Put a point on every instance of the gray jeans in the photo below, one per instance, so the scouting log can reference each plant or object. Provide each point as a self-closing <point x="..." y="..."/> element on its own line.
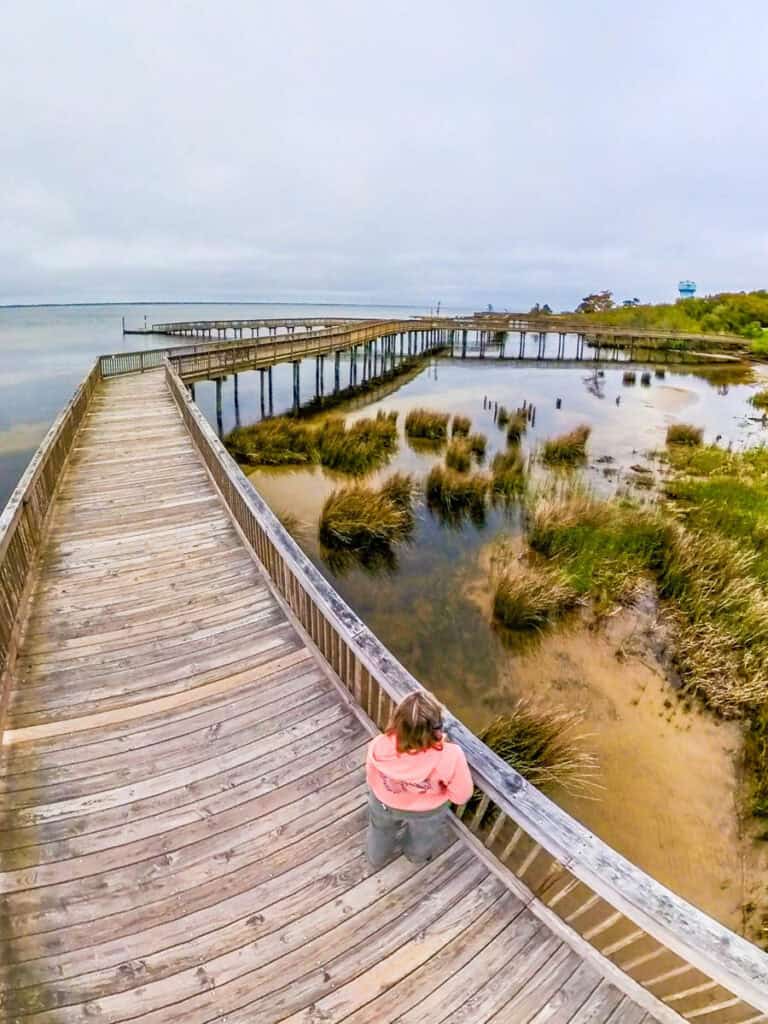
<point x="418" y="834"/>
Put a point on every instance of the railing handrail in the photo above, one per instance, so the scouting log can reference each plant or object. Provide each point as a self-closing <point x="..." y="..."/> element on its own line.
<point x="570" y="324"/>
<point x="260" y="321"/>
<point x="201" y="347"/>
<point x="681" y="927"/>
<point x="24" y="516"/>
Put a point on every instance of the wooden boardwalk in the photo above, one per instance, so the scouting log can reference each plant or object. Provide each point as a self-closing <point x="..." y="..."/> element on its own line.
<point x="183" y="793"/>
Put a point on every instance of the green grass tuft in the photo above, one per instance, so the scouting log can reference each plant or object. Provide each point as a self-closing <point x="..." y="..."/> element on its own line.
<point x="568" y="449"/>
<point x="760" y="399"/>
<point x="532" y="598"/>
<point x="458" y="456"/>
<point x="423" y="423"/>
<point x="684" y="433"/>
<point x="508" y="473"/>
<point x="516" y="427"/>
<point x="366" y="445"/>
<point x="502" y="416"/>
<point x="277" y="442"/>
<point x="454" y="496"/>
<point x="477" y="445"/>
<point x="358" y="517"/>
<point x="544" y="746"/>
<point x="461" y="425"/>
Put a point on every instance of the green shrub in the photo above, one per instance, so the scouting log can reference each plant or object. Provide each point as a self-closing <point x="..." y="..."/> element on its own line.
<point x="567" y="449"/>
<point x="423" y="423"/>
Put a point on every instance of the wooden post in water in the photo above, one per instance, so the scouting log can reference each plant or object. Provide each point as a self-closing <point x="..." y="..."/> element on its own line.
<point x="336" y="371"/>
<point x="296" y="385"/>
<point x="235" y="381"/>
<point x="269" y="381"/>
<point x="219" y="414"/>
<point x="262" y="371"/>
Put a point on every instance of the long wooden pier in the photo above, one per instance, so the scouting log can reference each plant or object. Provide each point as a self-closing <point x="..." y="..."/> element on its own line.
<point x="186" y="703"/>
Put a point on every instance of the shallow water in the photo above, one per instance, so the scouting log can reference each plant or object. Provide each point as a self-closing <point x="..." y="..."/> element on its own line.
<point x="671" y="776"/>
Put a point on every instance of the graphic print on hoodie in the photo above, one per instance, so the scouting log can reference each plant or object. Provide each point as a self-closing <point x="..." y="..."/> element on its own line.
<point x="420" y="781"/>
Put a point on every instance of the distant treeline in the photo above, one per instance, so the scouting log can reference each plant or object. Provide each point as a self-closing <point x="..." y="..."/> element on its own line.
<point x="742" y="313"/>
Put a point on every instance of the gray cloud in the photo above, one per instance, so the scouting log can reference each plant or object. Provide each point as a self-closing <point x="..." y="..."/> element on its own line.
<point x="338" y="150"/>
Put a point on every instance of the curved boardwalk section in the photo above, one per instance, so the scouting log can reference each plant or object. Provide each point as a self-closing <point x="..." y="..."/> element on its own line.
<point x="183" y="795"/>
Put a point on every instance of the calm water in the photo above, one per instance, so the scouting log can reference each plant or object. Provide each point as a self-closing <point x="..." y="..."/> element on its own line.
<point x="46" y="350"/>
<point x="423" y="607"/>
<point x="431" y="606"/>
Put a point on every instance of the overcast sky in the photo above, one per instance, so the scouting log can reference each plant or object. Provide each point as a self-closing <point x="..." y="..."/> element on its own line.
<point x="344" y="150"/>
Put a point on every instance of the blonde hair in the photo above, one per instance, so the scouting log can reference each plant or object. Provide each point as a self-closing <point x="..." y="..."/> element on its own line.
<point x="417" y="723"/>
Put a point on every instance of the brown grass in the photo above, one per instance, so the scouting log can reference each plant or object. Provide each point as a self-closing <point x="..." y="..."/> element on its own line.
<point x="545" y="746"/>
<point x="424" y="423"/>
<point x="684" y="433"/>
<point x="567" y="449"/>
<point x="531" y="598"/>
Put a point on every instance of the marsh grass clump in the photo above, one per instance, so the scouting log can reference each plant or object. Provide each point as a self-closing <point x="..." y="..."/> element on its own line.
<point x="358" y="449"/>
<point x="508" y="473"/>
<point x="502" y="416"/>
<point x="280" y="441"/>
<point x="722" y="610"/>
<point x="629" y="377"/>
<point x="461" y="426"/>
<point x="568" y="449"/>
<point x="516" y="427"/>
<point x="477" y="445"/>
<point x="545" y="746"/>
<point x="426" y="424"/>
<point x="760" y="399"/>
<point x="645" y="378"/>
<point x="684" y="433"/>
<point x="532" y="598"/>
<point x="458" y="456"/>
<point x="605" y="549"/>
<point x="455" y="495"/>
<point x="400" y="488"/>
<point x="359" y="518"/>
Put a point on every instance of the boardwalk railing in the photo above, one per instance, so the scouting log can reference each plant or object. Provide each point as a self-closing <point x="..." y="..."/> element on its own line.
<point x="698" y="968"/>
<point x="23" y="520"/>
<point x="237" y="352"/>
<point x="226" y="358"/>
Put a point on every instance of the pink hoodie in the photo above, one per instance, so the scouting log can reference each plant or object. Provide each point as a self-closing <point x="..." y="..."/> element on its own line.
<point x="420" y="781"/>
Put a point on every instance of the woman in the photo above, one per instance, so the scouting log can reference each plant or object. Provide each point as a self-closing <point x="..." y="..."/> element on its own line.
<point x="414" y="774"/>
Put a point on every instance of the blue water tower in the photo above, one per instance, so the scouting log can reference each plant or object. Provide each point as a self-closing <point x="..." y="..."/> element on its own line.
<point x="687" y="289"/>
